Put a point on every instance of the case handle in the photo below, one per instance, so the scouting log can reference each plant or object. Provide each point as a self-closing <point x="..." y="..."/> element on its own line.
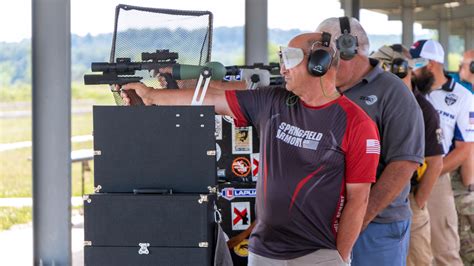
<point x="152" y="191"/>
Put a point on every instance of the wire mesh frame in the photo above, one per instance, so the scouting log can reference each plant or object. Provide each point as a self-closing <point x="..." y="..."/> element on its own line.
<point x="168" y="12"/>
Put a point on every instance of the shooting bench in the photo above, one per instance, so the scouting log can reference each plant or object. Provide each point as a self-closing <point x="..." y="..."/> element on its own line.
<point x="83" y="156"/>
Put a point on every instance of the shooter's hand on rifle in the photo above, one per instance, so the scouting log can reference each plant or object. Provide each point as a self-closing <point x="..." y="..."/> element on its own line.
<point x="130" y="91"/>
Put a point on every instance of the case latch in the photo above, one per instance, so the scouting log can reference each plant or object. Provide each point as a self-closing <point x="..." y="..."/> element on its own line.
<point x="143" y="248"/>
<point x="86" y="198"/>
<point x="97" y="189"/>
<point x="202" y="199"/>
<point x="212" y="190"/>
<point x="203" y="244"/>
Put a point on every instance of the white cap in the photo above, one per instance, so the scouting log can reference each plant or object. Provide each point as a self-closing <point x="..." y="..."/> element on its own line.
<point x="429" y="49"/>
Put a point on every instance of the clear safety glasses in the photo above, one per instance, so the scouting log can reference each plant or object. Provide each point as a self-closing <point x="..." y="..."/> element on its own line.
<point x="290" y="56"/>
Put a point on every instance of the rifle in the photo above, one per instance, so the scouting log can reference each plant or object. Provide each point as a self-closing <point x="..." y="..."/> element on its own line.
<point x="273" y="68"/>
<point x="123" y="70"/>
<point x="270" y="74"/>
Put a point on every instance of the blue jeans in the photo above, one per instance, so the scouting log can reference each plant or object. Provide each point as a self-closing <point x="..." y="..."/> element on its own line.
<point x="382" y="244"/>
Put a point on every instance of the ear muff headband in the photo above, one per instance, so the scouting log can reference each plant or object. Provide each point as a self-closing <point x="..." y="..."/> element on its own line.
<point x="346" y="43"/>
<point x="320" y="59"/>
<point x="397" y="48"/>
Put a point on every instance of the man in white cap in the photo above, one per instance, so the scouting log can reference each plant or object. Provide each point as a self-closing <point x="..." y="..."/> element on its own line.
<point x="453" y="103"/>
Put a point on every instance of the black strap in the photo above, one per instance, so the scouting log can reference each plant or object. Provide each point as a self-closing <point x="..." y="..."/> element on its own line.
<point x="326" y="39"/>
<point x="345" y="25"/>
<point x="397" y="48"/>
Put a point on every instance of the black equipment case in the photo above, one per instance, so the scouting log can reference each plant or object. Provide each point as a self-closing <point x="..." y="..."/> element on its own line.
<point x="178" y="152"/>
<point x="128" y="256"/>
<point x="149" y="229"/>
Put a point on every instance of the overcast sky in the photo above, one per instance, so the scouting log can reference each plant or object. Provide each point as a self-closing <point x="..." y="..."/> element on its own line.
<point x="97" y="16"/>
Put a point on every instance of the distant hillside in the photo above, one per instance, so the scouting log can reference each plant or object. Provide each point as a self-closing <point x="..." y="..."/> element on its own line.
<point x="227" y="47"/>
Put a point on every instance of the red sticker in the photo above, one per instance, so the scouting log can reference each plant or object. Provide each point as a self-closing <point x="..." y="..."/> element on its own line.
<point x="241" y="166"/>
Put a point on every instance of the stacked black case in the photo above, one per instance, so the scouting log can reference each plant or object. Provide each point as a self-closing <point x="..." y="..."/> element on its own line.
<point x="152" y="150"/>
<point x="163" y="147"/>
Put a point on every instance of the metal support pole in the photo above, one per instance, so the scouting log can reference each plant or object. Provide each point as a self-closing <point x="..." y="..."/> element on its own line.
<point x="468" y="38"/>
<point x="51" y="75"/>
<point x="356" y="9"/>
<point x="443" y="32"/>
<point x="407" y="26"/>
<point x="256" y="31"/>
<point x="348" y="8"/>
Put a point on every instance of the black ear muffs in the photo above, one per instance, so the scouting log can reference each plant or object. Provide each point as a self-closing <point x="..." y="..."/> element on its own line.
<point x="471" y="67"/>
<point x="346" y="43"/>
<point x="320" y="59"/>
<point x="399" y="67"/>
<point x="319" y="62"/>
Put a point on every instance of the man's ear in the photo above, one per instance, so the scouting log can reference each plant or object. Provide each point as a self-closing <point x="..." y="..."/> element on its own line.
<point x="430" y="65"/>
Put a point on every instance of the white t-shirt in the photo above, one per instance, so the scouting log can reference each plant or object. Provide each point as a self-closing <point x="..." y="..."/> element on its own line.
<point x="455" y="105"/>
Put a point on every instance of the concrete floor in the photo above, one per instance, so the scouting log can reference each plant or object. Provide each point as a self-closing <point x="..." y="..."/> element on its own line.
<point x="16" y="244"/>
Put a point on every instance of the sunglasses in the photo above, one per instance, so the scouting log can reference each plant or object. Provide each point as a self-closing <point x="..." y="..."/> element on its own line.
<point x="418" y="63"/>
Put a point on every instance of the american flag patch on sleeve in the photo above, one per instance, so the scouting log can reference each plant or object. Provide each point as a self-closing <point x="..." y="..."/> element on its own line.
<point x="373" y="146"/>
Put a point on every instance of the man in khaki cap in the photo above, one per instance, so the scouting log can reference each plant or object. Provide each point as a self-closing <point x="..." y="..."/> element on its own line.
<point x="397" y="59"/>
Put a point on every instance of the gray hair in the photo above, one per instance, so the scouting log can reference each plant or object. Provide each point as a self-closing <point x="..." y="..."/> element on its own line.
<point x="332" y="26"/>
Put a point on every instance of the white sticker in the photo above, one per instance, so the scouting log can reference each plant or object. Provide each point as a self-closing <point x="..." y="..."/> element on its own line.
<point x="240" y="215"/>
<point x="241" y="140"/>
<point x="255" y="161"/>
<point x="218" y="127"/>
<point x="218" y="152"/>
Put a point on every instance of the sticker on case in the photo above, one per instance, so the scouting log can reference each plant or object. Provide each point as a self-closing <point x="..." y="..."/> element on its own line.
<point x="255" y="160"/>
<point x="218" y="127"/>
<point x="241" y="167"/>
<point x="241" y="140"/>
<point x="240" y="215"/>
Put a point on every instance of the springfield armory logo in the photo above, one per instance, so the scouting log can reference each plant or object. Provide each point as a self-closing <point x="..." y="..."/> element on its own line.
<point x="298" y="137"/>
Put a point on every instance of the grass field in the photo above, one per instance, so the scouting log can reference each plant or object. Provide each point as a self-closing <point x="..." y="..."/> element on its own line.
<point x="16" y="165"/>
<point x="11" y="216"/>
